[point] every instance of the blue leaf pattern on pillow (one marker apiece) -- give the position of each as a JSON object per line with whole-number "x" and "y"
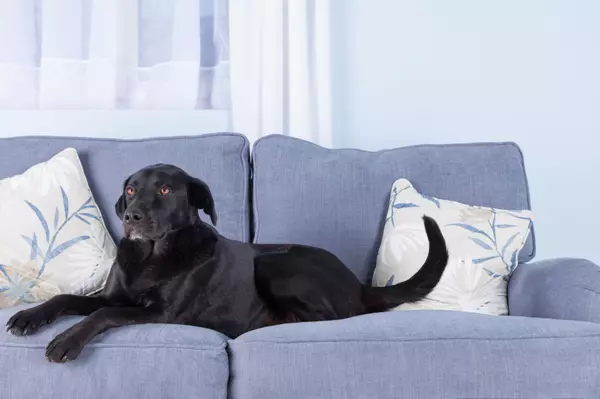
{"x": 517, "y": 216}
{"x": 64, "y": 246}
{"x": 89, "y": 215}
{"x": 493, "y": 225}
{"x": 393, "y": 197}
{"x": 33, "y": 244}
{"x": 3, "y": 271}
{"x": 490, "y": 249}
{"x": 55, "y": 247}
{"x": 481, "y": 243}
{"x": 434, "y": 200}
{"x": 489, "y": 242}
{"x": 492, "y": 274}
{"x": 42, "y": 219}
{"x": 471, "y": 229}
{"x": 513, "y": 261}
{"x": 483, "y": 260}
{"x": 62, "y": 238}
{"x": 55, "y": 218}
{"x": 8, "y": 279}
{"x": 65, "y": 202}
{"x": 511, "y": 264}
{"x": 82, "y": 219}
{"x": 20, "y": 286}
{"x": 390, "y": 281}
{"x": 485, "y": 240}
{"x": 409, "y": 205}
{"x": 508, "y": 242}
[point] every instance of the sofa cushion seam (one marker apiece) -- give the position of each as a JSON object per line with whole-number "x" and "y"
{"x": 246, "y": 234}
{"x": 215, "y": 348}
{"x": 411, "y": 340}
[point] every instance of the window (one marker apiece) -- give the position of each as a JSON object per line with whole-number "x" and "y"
{"x": 68, "y": 66}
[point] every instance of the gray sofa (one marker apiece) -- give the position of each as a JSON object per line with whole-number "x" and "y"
{"x": 293, "y": 191}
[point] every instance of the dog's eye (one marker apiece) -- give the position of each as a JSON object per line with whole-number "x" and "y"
{"x": 130, "y": 190}
{"x": 164, "y": 191}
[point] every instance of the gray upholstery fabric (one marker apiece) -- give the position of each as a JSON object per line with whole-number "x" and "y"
{"x": 556, "y": 289}
{"x": 222, "y": 160}
{"x": 135, "y": 362}
{"x": 419, "y": 354}
{"x": 337, "y": 199}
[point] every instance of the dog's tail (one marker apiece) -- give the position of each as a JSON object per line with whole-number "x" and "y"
{"x": 379, "y": 299}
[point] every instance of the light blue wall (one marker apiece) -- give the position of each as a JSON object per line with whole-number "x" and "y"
{"x": 437, "y": 71}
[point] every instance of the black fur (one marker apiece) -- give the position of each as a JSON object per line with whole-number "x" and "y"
{"x": 173, "y": 268}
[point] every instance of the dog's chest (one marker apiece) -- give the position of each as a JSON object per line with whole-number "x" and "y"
{"x": 144, "y": 284}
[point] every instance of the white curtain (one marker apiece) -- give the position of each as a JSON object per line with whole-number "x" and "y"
{"x": 280, "y": 68}
{"x": 114, "y": 54}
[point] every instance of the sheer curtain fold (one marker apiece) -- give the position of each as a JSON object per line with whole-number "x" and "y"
{"x": 265, "y": 61}
{"x": 280, "y": 68}
{"x": 18, "y": 57}
{"x": 113, "y": 54}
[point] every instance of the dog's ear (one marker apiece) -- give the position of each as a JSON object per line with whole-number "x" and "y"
{"x": 121, "y": 205}
{"x": 201, "y": 198}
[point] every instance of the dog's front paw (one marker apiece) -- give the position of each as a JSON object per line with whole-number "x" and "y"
{"x": 64, "y": 347}
{"x": 28, "y": 321}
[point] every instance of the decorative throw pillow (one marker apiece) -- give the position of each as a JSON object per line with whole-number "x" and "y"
{"x": 53, "y": 239}
{"x": 483, "y": 245}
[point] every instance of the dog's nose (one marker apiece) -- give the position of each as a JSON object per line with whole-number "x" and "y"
{"x": 133, "y": 216}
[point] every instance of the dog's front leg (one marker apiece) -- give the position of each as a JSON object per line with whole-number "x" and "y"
{"x": 29, "y": 321}
{"x": 67, "y": 345}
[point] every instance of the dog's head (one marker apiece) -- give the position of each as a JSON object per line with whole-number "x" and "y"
{"x": 162, "y": 198}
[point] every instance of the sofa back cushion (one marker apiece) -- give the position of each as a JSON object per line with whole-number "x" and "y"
{"x": 222, "y": 160}
{"x": 337, "y": 199}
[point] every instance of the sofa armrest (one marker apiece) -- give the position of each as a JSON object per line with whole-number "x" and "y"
{"x": 566, "y": 289}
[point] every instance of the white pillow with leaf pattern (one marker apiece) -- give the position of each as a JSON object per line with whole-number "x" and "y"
{"x": 483, "y": 246}
{"x": 53, "y": 239}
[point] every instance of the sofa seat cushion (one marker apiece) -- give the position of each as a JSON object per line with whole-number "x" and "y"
{"x": 443, "y": 354}
{"x": 142, "y": 361}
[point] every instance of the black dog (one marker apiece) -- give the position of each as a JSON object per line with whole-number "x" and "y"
{"x": 173, "y": 268}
